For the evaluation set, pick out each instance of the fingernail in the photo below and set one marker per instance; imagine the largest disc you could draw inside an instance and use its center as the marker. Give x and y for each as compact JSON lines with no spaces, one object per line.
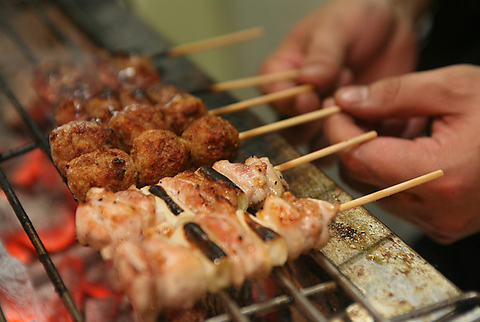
{"x":353,"y":94}
{"x":314,"y":70}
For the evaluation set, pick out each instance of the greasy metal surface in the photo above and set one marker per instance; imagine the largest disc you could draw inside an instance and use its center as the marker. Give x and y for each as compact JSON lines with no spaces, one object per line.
{"x":381,"y":267}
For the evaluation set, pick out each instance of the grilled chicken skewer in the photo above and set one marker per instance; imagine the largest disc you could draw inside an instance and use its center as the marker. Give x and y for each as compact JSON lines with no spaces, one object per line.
{"x":206,"y":251}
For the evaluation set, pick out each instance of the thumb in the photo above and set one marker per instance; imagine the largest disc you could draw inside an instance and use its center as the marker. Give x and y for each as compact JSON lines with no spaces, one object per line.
{"x":414,"y":94}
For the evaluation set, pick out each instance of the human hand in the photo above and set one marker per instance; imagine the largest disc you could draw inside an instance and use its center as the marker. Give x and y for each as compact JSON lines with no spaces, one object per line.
{"x":447,"y":209}
{"x":343,"y":42}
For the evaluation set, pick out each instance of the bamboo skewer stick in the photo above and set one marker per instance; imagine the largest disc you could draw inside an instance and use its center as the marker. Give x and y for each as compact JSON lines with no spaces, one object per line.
{"x":218,"y":41}
{"x":296,"y":120}
{"x":261,"y":100}
{"x":326,"y":151}
{"x":253,"y":81}
{"x":391,"y":190}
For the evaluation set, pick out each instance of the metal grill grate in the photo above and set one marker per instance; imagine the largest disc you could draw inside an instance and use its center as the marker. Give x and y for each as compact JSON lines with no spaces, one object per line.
{"x":305,"y":299}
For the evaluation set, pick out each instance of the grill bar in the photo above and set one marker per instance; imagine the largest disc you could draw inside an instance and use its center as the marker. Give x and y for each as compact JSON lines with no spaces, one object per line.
{"x":348,"y":286}
{"x":35,"y":131}
{"x":42,"y":253}
{"x":52,"y":27}
{"x":306,"y":307}
{"x":232,"y":307}
{"x":14,"y":35}
{"x":458,"y":303}
{"x":278,"y":302}
{"x":2,"y":316}
{"x":12,"y":153}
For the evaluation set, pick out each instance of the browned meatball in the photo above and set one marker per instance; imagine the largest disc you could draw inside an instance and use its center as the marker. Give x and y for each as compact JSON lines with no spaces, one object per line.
{"x":101,"y":108}
{"x":182,"y":110}
{"x":126,"y":69}
{"x":73,"y":139}
{"x":112,"y":169}
{"x":212,"y":138}
{"x":70,"y":109}
{"x":158,"y":154}
{"x":134,"y":95}
{"x":135,"y":119}
{"x":55,"y":81}
{"x":162,"y":93}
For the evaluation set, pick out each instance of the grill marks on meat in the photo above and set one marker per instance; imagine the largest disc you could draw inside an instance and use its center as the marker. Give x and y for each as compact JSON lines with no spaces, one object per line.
{"x":168,"y":259}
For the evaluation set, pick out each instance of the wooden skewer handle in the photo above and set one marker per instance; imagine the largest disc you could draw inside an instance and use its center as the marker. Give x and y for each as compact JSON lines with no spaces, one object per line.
{"x":391,"y":190}
{"x":254,"y":81}
{"x":216,"y":42}
{"x":261,"y":100}
{"x":296,"y":120}
{"x":326,"y":151}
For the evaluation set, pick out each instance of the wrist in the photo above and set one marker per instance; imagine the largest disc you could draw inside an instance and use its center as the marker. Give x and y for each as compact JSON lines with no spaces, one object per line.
{"x":415,"y":10}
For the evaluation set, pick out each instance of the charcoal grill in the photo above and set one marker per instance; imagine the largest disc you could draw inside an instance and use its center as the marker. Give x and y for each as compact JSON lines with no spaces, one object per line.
{"x":365,"y":272}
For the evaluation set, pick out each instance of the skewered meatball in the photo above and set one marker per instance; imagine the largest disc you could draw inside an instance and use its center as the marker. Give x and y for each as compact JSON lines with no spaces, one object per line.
{"x":55,"y":81}
{"x":212,"y":138}
{"x":158,"y":154}
{"x":102,"y":107}
{"x":73,"y":139}
{"x":182,"y":110}
{"x":126,"y":69}
{"x":70,"y":109}
{"x":135,"y":119}
{"x":99,"y":108}
{"x":134,"y":95}
{"x":112,"y":169}
{"x":162,"y":93}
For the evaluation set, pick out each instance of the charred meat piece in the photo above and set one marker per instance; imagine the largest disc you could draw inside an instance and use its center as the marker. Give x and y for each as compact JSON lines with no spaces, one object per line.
{"x":182,"y":110}
{"x":158,"y":154}
{"x":248,"y":255}
{"x":79,"y":137}
{"x":55,"y":81}
{"x":135,"y":119}
{"x":112,"y":169}
{"x":99,"y":108}
{"x":200,"y":195}
{"x":134,"y":95}
{"x":70,"y":109}
{"x":126,"y":69}
{"x":161,"y":93}
{"x":212,"y":138}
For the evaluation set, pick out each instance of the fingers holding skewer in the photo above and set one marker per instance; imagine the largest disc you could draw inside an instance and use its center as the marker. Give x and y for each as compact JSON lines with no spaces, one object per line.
{"x":391,"y":190}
